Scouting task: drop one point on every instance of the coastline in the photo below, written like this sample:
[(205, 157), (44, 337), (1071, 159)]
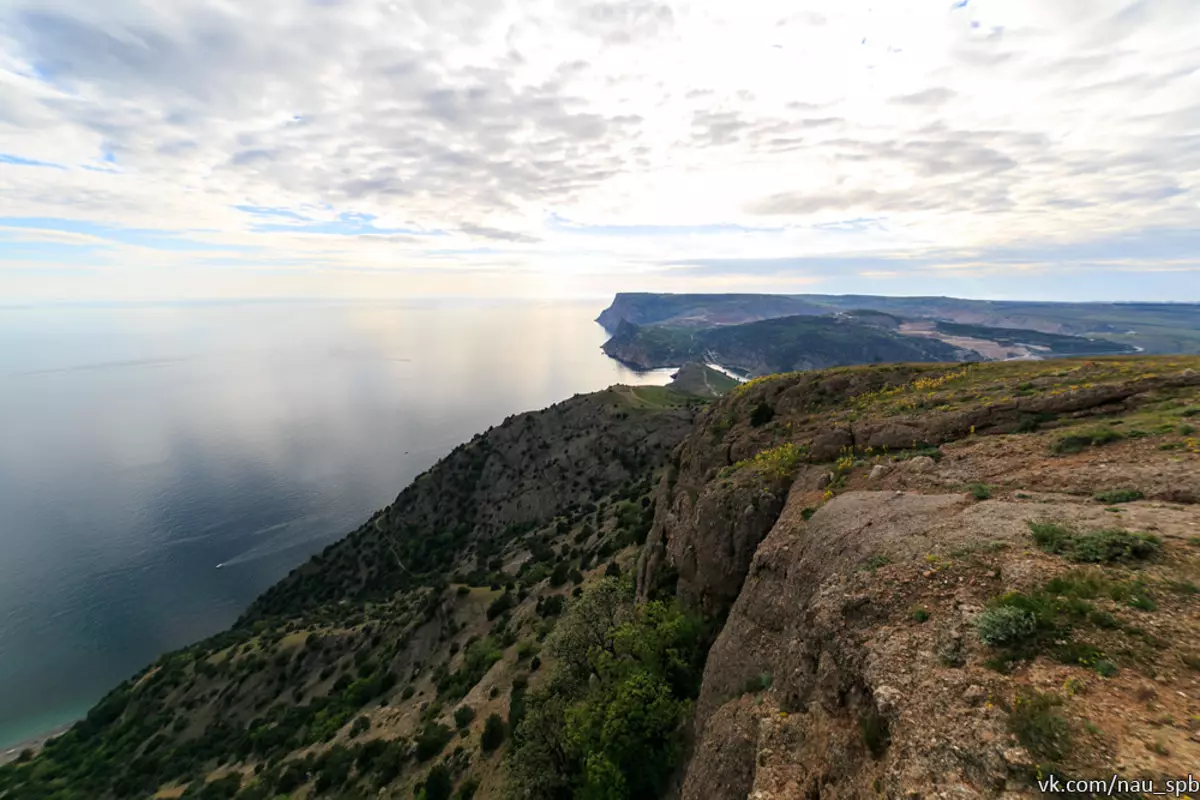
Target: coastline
[(35, 743)]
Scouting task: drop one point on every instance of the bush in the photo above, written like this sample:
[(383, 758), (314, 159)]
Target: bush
[(467, 790), (980, 491), (1043, 733), (438, 784), (1078, 442), (1002, 625), (1113, 544), (463, 715), (1115, 496), (494, 733), (431, 741), (552, 606), (501, 604), (1095, 547), (762, 414)]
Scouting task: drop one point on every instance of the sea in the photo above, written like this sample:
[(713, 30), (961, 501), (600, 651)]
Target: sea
[(143, 445)]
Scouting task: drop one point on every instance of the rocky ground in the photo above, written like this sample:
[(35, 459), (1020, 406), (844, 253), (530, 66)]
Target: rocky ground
[(948, 583)]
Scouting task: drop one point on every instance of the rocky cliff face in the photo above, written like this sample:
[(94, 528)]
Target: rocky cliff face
[(871, 532)]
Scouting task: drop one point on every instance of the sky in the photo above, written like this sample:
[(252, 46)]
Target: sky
[(204, 149)]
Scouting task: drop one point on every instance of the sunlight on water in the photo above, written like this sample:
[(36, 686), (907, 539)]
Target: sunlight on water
[(146, 445)]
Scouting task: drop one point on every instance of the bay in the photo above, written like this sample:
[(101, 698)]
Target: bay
[(143, 445)]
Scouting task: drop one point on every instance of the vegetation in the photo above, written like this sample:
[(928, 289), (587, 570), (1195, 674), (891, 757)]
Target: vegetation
[(1037, 726), (608, 721), (773, 345), (980, 491), (1080, 441), (1095, 547), (1114, 496)]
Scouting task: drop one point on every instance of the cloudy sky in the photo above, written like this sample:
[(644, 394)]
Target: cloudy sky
[(351, 148)]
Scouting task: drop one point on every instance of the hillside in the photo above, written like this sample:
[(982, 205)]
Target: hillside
[(702, 310), (388, 653), (700, 380), (773, 345), (881, 580), (956, 578), (1141, 327)]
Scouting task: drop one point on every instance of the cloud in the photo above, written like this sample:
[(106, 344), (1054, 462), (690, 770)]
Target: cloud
[(367, 132), (933, 96)]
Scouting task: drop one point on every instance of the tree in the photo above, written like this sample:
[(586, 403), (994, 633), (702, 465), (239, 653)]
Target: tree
[(438, 784), (494, 733)]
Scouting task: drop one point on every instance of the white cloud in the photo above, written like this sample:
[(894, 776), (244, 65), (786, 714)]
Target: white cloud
[(977, 126)]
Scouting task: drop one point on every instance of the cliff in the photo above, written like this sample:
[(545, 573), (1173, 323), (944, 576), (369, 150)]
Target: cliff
[(940, 581)]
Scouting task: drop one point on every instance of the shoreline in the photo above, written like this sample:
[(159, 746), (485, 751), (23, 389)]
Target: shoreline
[(35, 743)]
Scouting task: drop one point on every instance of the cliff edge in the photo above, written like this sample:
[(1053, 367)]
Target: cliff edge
[(941, 581)]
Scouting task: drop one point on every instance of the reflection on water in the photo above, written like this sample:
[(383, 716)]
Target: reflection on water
[(143, 446)]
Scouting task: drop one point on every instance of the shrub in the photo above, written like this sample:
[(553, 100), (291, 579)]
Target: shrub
[(501, 604), (1078, 442), (762, 414), (872, 563), (920, 615), (1113, 544), (431, 740), (980, 491), (1114, 496), (494, 733), (1043, 733), (1002, 625), (467, 790), (438, 784), (463, 715), (1095, 547)]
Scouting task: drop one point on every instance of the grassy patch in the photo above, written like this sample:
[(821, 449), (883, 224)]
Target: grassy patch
[(980, 491), (777, 462), (1115, 496), (1078, 442), (1095, 547), (1044, 733), (873, 563)]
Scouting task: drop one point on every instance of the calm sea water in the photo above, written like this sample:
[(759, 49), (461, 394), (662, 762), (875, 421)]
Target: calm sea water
[(143, 445)]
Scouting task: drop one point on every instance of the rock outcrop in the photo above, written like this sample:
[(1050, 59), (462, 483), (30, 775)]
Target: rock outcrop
[(841, 540)]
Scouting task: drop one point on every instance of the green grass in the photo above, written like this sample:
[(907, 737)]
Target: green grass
[(1080, 441), (1095, 547), (656, 397), (980, 491), (1114, 496), (1037, 726), (873, 563)]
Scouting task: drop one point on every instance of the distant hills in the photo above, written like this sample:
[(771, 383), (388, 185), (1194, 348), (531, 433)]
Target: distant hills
[(783, 344), (761, 333)]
